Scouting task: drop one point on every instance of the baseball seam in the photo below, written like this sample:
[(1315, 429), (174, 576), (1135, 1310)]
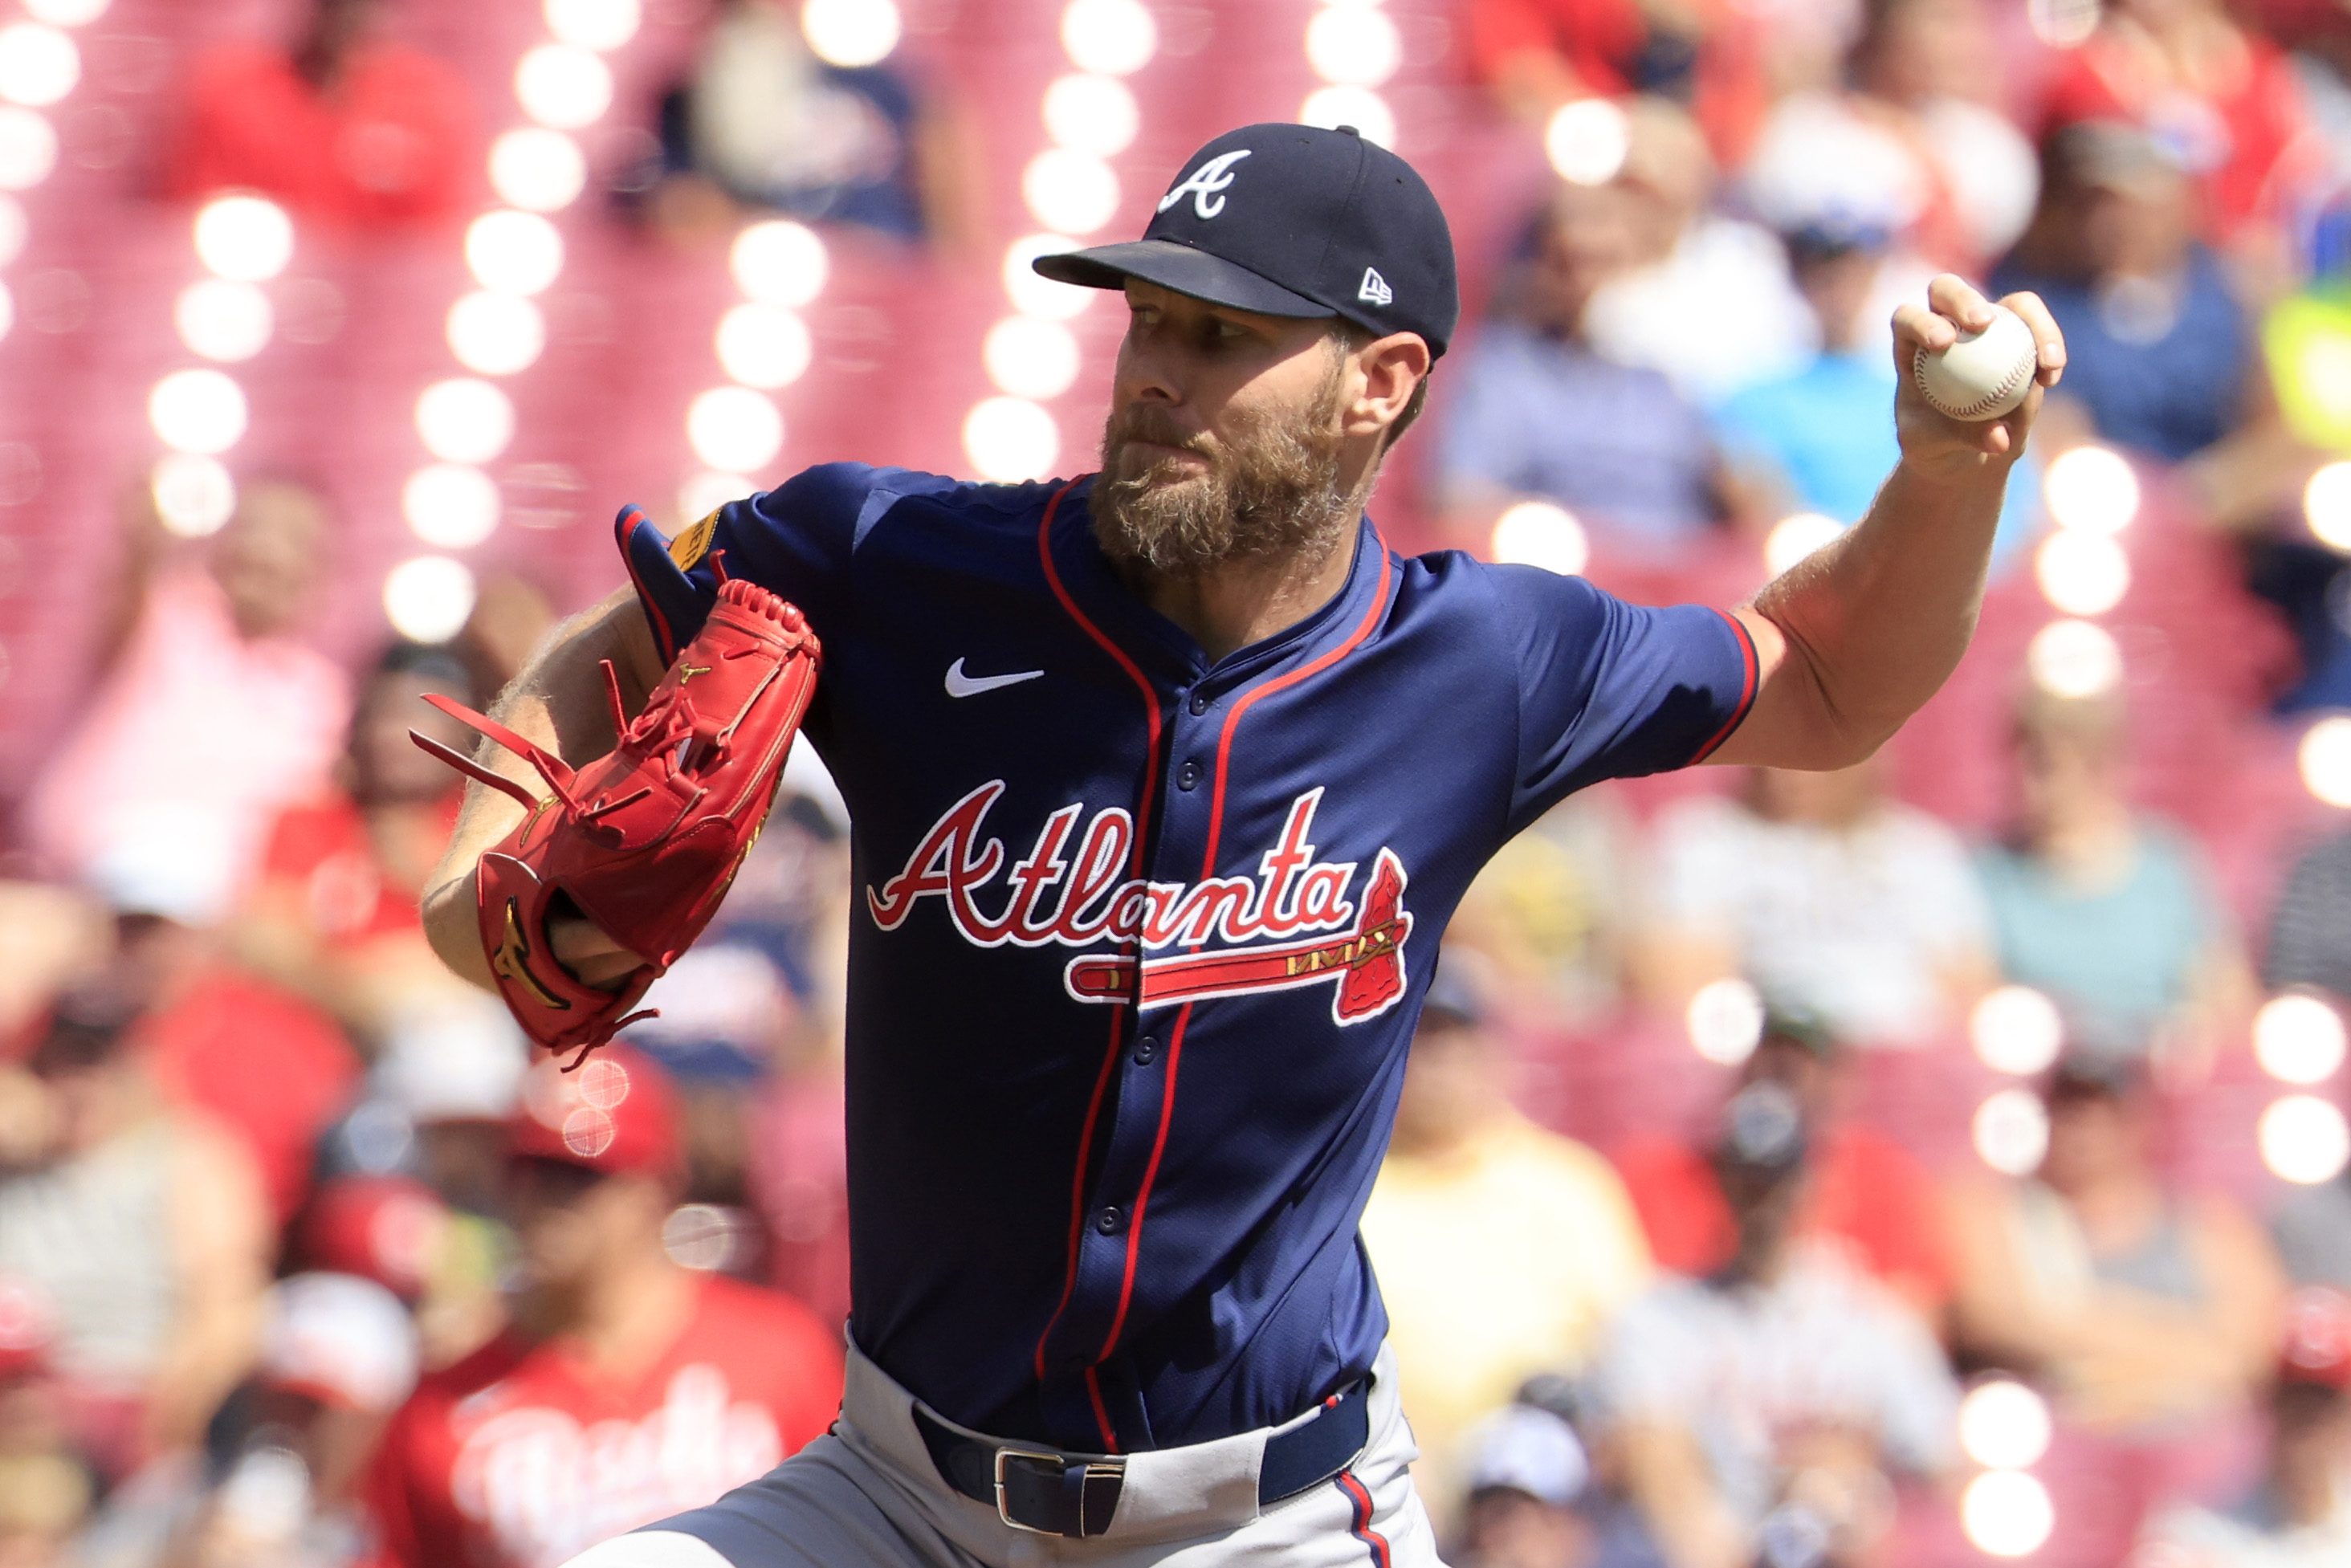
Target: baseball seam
[(1982, 407)]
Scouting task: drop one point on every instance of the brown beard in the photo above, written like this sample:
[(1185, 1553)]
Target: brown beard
[(1272, 489)]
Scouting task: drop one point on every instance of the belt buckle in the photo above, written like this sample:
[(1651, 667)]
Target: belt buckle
[(1040, 1457), (1060, 1465)]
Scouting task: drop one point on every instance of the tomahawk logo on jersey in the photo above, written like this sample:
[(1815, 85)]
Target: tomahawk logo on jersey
[(1142, 936)]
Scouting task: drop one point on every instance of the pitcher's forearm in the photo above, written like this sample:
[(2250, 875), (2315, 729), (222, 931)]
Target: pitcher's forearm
[(558, 702), (1879, 618)]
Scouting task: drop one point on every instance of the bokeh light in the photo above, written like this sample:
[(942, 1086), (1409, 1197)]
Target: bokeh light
[(38, 64), (2327, 506), (1069, 192), (2016, 1029), (1041, 297), (248, 238), (2091, 489), (198, 411), (1028, 358), (464, 421), (1109, 37), (2004, 1425), (8, 312), (1367, 111), (428, 599), (514, 253), (2303, 1140), (1091, 114), (2006, 1513), (1725, 1021), (734, 428), (600, 24), (707, 490), (537, 170), (65, 13), (2074, 659), (1793, 539), (1010, 439), (1536, 533), (2011, 1132), (2063, 24), (2324, 758), (779, 263), (452, 506), (195, 496), (763, 345), (563, 87), (851, 32), (224, 320), (1354, 46), (29, 149), (2298, 1039), (496, 334), (1587, 140), (2082, 573)]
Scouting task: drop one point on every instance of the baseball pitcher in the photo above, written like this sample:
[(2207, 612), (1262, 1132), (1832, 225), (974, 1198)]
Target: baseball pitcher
[(1165, 781)]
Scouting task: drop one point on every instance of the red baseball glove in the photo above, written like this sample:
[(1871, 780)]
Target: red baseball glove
[(644, 841)]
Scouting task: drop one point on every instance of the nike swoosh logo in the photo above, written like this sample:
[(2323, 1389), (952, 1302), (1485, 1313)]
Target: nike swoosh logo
[(962, 685)]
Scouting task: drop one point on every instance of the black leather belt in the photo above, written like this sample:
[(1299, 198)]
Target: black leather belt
[(1047, 1492)]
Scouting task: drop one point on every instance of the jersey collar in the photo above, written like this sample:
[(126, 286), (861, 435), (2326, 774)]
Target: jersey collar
[(1165, 649)]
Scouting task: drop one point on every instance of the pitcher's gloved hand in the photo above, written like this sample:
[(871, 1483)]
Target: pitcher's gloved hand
[(642, 844)]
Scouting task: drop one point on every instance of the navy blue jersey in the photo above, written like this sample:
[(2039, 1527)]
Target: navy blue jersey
[(1140, 937)]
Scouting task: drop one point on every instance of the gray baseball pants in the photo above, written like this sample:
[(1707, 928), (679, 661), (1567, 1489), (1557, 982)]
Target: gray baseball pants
[(869, 1494)]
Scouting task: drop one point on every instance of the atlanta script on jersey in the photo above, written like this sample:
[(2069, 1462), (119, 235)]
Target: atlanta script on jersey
[(1142, 936), (1295, 902)]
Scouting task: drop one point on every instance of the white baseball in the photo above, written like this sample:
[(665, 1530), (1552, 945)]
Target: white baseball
[(1984, 374)]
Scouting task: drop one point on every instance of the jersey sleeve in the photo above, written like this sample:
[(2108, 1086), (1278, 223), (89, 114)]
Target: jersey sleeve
[(1613, 690), (795, 541)]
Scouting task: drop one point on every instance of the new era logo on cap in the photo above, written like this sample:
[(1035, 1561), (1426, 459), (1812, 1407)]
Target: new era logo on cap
[(1292, 219)]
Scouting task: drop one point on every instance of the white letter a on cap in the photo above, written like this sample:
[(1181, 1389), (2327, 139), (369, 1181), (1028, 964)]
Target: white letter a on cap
[(1375, 290), (1209, 181)]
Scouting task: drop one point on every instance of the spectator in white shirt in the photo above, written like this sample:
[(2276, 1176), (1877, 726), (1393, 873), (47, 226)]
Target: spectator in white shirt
[(1779, 1395), (1835, 901)]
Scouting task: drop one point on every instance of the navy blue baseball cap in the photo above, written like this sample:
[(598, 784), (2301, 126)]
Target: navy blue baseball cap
[(1293, 220)]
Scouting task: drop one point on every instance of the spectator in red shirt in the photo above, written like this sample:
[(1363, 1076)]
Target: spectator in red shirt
[(628, 1388), (347, 128), (334, 913), (2222, 102), (1867, 1190), (1535, 55)]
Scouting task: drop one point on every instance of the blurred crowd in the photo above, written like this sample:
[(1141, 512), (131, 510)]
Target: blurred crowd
[(1912, 1211)]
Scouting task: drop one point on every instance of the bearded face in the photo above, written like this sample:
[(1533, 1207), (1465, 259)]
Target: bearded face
[(1271, 488)]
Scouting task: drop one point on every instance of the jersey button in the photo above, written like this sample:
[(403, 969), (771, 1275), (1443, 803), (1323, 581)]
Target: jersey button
[(1187, 776), (1111, 1221), (1145, 1050), (1199, 706)]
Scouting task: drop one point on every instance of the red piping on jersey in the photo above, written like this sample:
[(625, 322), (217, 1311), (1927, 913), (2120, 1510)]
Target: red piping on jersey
[(1102, 1414), (1361, 1528), (1208, 869), (1232, 720), (1118, 1015), (1746, 694)]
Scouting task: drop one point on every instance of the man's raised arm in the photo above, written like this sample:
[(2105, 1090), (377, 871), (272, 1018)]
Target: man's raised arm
[(558, 702), (1854, 639)]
